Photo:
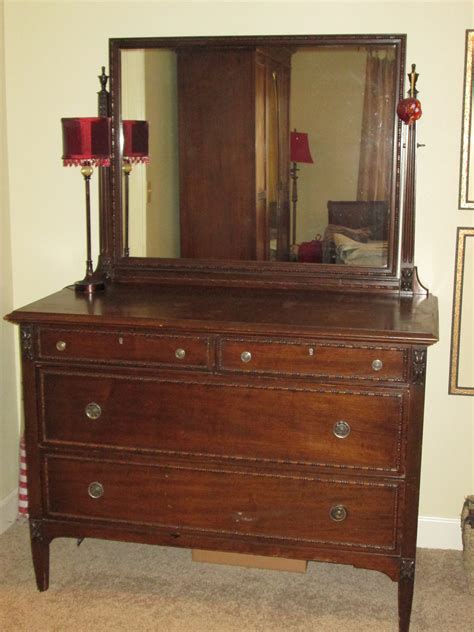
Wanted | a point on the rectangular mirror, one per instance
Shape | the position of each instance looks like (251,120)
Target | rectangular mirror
(266,150)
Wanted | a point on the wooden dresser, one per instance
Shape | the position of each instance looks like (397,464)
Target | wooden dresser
(284,424)
(241,404)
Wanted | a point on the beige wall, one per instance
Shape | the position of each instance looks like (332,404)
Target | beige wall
(53,55)
(8,404)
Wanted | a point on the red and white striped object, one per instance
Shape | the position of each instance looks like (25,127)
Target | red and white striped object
(23,487)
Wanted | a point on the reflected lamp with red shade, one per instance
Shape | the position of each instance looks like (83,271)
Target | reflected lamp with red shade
(299,153)
(134,151)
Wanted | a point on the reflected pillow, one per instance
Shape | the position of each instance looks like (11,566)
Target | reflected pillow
(352,252)
(357,234)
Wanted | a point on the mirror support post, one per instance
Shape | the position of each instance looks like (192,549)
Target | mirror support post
(409,110)
(103,98)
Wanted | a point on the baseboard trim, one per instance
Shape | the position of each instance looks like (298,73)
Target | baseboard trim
(8,510)
(439,533)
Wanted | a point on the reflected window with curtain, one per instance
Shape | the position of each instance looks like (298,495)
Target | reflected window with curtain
(378,113)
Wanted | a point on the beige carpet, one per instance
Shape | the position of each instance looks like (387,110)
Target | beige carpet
(115,586)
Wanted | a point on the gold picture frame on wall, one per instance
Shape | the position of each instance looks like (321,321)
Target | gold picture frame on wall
(466,184)
(461,375)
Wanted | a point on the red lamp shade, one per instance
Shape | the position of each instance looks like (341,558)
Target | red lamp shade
(299,147)
(135,141)
(86,141)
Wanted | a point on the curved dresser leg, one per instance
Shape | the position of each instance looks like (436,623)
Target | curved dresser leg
(40,553)
(405,593)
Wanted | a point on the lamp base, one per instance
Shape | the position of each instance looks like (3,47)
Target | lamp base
(89,285)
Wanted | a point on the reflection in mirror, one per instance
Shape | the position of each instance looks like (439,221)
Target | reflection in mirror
(218,183)
(149,93)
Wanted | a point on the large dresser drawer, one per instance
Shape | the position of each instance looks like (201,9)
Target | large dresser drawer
(276,507)
(312,359)
(124,346)
(213,416)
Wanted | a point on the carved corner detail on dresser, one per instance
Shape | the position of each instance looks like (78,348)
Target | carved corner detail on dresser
(407,279)
(36,530)
(410,282)
(27,341)
(418,366)
(407,568)
(106,267)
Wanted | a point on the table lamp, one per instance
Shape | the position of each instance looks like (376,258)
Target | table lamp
(87,144)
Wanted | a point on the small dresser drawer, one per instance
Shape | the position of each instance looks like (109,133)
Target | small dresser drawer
(318,359)
(227,419)
(124,346)
(277,507)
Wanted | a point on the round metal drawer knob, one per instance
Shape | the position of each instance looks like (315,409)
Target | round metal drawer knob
(93,410)
(95,490)
(245,356)
(180,354)
(60,345)
(341,429)
(377,365)
(338,513)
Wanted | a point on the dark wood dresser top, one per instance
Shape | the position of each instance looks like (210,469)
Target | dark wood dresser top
(364,317)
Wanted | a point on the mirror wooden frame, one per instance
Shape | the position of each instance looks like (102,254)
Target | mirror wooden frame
(463,293)
(249,273)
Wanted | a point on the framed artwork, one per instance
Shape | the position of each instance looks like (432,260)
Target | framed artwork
(466,185)
(461,375)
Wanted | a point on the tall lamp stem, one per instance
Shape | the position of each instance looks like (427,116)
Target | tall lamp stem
(294,199)
(89,283)
(87,181)
(127,169)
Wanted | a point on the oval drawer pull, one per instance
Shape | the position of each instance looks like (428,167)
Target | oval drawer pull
(95,490)
(338,513)
(377,365)
(245,356)
(61,345)
(93,410)
(180,354)
(341,429)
